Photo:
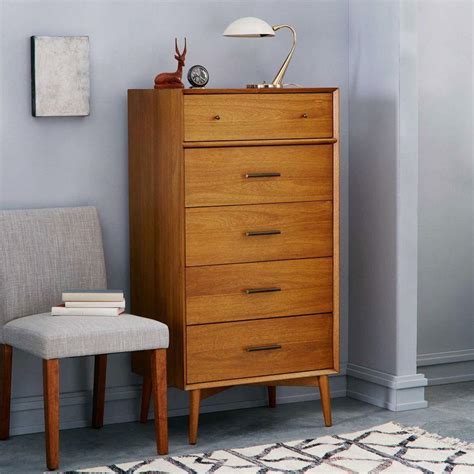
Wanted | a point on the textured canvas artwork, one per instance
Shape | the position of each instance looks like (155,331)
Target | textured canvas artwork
(60,76)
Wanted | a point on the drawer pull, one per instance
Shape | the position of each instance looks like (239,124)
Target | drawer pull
(262,175)
(217,117)
(270,347)
(251,291)
(305,116)
(255,233)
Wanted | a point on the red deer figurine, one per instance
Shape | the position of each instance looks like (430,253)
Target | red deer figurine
(172,80)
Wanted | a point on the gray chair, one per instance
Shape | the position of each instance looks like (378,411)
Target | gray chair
(43,252)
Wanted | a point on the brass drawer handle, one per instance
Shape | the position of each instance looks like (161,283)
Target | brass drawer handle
(217,117)
(262,175)
(270,347)
(304,115)
(262,232)
(272,289)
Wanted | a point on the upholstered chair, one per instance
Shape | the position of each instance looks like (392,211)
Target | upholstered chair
(42,253)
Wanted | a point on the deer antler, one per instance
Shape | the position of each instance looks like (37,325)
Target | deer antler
(185,47)
(176,46)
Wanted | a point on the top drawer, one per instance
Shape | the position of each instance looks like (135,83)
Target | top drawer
(257,117)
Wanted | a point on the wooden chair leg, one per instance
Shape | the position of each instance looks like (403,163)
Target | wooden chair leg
(98,401)
(325,399)
(160,398)
(51,411)
(6,389)
(146,397)
(194,408)
(271,396)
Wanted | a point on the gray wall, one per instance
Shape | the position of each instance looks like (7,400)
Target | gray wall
(382,205)
(75,161)
(446,206)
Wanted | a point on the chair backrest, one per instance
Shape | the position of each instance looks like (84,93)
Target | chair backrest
(42,253)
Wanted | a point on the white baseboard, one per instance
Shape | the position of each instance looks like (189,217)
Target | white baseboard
(396,393)
(448,367)
(122,405)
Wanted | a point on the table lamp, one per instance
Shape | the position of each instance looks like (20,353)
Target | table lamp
(251,27)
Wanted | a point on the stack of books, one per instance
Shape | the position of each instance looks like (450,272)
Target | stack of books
(90,303)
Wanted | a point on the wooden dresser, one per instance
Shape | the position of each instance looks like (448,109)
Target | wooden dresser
(234,228)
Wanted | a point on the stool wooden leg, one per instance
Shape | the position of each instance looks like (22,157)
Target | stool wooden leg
(194,408)
(271,396)
(325,399)
(6,389)
(146,397)
(100,375)
(160,398)
(51,411)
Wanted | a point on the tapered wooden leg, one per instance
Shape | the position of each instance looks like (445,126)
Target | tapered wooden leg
(194,408)
(325,399)
(51,411)
(100,375)
(160,398)
(271,396)
(6,389)
(146,397)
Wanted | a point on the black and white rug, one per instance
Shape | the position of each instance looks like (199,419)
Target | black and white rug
(388,448)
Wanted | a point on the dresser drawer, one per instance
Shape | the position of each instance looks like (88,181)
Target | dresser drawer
(257,116)
(264,347)
(252,175)
(224,293)
(259,232)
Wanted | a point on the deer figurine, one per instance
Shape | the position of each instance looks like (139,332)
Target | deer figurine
(172,80)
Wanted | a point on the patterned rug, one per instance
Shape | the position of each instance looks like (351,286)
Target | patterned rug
(388,448)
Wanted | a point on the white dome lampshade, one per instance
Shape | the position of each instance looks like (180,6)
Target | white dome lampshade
(251,27)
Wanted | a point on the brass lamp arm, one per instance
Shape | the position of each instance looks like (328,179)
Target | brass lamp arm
(278,81)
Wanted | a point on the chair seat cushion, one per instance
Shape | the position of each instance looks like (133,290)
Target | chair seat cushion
(56,337)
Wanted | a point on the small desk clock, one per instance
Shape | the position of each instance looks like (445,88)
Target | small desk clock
(198,76)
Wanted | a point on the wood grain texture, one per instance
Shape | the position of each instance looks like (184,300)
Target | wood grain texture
(220,176)
(98,399)
(156,184)
(261,379)
(260,143)
(299,382)
(325,399)
(220,351)
(217,293)
(194,408)
(51,411)
(5,389)
(160,398)
(258,116)
(218,235)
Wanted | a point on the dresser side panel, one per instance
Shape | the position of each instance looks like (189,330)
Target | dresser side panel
(157,216)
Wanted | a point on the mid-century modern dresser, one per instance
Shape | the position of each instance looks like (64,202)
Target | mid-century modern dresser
(234,227)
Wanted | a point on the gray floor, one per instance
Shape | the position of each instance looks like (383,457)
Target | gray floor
(451,413)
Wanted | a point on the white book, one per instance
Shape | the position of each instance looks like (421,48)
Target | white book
(92,295)
(61,310)
(95,304)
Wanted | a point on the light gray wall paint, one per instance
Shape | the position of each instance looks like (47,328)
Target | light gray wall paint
(74,161)
(382,205)
(446,167)
(373,143)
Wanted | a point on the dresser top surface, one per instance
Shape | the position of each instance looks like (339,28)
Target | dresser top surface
(283,90)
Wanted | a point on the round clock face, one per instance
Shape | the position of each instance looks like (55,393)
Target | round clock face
(198,76)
